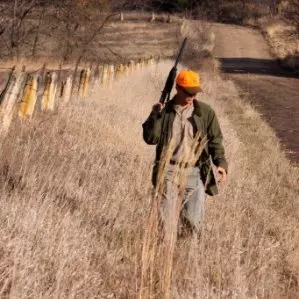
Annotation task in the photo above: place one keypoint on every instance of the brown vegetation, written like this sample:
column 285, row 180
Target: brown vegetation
column 66, row 32
column 283, row 38
column 76, row 195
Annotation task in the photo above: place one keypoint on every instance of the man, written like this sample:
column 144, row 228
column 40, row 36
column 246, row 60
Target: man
column 187, row 132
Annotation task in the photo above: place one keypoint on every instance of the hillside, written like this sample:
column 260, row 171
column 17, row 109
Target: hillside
column 76, row 195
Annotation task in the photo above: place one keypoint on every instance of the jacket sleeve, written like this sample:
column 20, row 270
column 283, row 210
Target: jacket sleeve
column 152, row 128
column 215, row 146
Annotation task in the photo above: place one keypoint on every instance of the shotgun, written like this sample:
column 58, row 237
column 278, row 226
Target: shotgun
column 165, row 96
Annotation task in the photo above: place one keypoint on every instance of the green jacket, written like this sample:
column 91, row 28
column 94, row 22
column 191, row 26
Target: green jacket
column 157, row 131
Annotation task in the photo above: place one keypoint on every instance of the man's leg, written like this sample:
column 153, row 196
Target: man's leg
column 194, row 200
column 169, row 202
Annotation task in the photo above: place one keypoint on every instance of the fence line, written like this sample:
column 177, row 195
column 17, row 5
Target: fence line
column 24, row 90
column 9, row 99
column 29, row 98
column 67, row 90
column 49, row 94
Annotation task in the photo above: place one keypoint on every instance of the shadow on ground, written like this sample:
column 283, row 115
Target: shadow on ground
column 255, row 66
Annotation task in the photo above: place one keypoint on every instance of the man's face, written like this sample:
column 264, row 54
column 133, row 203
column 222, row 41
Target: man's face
column 185, row 97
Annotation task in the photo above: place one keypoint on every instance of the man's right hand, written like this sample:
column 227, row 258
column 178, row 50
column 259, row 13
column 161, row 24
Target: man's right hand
column 157, row 107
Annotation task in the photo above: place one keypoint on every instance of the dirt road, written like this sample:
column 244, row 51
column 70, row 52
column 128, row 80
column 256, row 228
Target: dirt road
column 246, row 58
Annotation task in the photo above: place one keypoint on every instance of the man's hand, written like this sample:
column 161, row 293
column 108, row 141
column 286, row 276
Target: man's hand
column 222, row 175
column 158, row 107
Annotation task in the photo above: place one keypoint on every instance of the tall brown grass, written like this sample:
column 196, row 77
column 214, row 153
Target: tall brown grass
column 161, row 234
column 76, row 197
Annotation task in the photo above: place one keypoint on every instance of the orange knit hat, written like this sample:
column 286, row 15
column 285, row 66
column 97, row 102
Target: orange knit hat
column 189, row 81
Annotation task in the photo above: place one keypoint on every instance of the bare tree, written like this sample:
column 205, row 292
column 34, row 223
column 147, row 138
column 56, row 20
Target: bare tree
column 2, row 21
column 37, row 31
column 19, row 31
column 73, row 25
column 2, row 28
column 81, row 25
column 291, row 12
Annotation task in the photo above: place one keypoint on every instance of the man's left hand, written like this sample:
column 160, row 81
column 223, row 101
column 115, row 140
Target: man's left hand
column 222, row 175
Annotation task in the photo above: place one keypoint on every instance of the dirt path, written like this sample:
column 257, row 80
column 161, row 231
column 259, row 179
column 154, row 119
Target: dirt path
column 246, row 58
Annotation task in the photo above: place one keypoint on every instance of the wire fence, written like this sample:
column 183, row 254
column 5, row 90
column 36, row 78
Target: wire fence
column 52, row 88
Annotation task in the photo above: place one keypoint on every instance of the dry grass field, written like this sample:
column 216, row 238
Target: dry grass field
column 75, row 197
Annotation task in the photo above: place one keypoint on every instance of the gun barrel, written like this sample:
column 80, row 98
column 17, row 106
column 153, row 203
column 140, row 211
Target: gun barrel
column 181, row 51
column 172, row 75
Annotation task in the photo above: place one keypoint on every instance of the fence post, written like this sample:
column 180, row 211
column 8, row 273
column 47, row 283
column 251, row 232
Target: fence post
column 81, row 82
column 48, row 99
column 104, row 75
column 119, row 70
column 67, row 92
column 27, row 104
column 131, row 66
column 75, row 73
column 84, row 82
column 153, row 19
column 126, row 69
column 61, row 88
column 9, row 99
column 96, row 77
column 111, row 74
column 8, row 84
column 53, row 89
column 59, row 72
column 45, row 96
column 151, row 61
column 43, row 70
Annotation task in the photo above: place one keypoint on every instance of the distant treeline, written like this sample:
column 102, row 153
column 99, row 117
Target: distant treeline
column 72, row 28
column 193, row 5
column 235, row 11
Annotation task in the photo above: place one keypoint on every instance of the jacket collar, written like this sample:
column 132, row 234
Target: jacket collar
column 197, row 109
